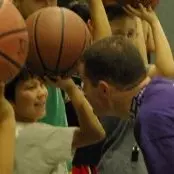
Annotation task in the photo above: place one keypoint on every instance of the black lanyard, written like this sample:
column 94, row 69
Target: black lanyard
column 136, row 103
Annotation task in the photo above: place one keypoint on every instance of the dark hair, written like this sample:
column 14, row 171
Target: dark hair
column 11, row 86
column 80, row 8
column 116, row 61
column 115, row 11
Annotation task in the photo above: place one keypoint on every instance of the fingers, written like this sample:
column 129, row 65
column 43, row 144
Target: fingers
column 142, row 8
column 128, row 12
column 134, row 11
column 141, row 12
column 150, row 9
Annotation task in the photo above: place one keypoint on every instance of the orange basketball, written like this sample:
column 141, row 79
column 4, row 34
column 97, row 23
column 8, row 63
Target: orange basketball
column 13, row 42
column 58, row 38
column 135, row 3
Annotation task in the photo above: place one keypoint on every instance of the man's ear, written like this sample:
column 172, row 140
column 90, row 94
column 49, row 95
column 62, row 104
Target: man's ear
column 104, row 89
column 90, row 26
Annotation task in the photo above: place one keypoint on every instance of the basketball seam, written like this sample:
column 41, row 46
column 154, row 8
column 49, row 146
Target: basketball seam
column 9, row 33
column 61, row 41
column 36, row 42
column 83, row 48
column 6, row 57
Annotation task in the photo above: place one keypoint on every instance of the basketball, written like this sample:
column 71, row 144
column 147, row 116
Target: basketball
column 13, row 42
column 58, row 38
column 135, row 3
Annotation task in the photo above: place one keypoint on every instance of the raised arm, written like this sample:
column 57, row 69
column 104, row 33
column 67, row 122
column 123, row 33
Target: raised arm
column 100, row 23
column 140, row 41
column 164, row 64
column 90, row 131
column 7, row 134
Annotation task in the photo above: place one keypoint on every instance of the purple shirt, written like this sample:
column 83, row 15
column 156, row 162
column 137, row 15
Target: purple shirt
column 154, row 128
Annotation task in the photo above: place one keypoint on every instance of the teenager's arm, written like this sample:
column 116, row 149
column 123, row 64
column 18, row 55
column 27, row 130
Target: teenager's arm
column 140, row 40
column 7, row 134
column 100, row 23
column 164, row 64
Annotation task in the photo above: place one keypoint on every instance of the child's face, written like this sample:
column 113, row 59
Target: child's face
column 28, row 7
column 125, row 26
column 30, row 100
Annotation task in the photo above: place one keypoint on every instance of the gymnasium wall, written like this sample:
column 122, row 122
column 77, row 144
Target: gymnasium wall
column 165, row 13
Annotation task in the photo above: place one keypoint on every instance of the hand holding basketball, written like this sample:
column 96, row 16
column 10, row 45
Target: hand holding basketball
column 135, row 3
column 144, row 13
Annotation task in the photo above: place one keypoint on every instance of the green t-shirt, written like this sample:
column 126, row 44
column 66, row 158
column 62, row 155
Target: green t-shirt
column 56, row 114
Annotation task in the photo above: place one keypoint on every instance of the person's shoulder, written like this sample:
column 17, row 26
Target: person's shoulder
column 157, row 107
column 47, row 128
column 157, row 99
column 20, row 126
column 31, row 130
column 161, row 85
column 46, row 136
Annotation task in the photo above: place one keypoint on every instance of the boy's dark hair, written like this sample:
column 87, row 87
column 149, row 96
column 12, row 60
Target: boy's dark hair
column 80, row 8
column 11, row 86
column 115, row 11
column 116, row 61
